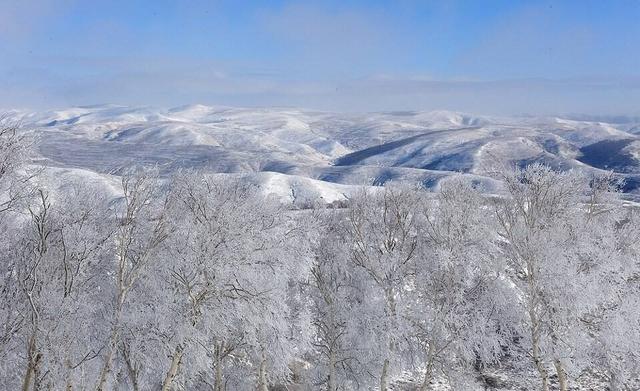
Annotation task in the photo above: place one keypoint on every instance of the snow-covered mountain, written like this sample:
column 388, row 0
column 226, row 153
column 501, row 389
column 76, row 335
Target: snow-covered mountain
column 323, row 154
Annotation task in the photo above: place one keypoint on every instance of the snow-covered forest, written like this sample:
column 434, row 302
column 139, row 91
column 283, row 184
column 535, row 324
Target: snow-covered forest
column 194, row 282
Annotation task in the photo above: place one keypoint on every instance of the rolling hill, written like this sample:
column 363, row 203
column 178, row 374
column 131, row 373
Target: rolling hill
column 325, row 155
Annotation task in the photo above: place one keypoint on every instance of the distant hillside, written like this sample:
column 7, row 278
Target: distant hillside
column 311, row 148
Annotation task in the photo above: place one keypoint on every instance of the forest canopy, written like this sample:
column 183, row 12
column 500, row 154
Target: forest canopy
column 193, row 281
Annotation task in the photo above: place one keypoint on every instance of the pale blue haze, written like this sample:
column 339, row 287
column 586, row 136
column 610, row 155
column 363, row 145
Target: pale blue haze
column 502, row 57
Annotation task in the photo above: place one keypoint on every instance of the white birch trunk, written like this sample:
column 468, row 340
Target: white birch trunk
column 262, row 375
column 217, row 385
column 69, row 386
column 176, row 359
column 113, row 343
column 562, row 376
column 33, row 358
column 384, row 377
column 331, row 386
column 390, row 313
column 428, row 374
column 542, row 370
column 535, row 328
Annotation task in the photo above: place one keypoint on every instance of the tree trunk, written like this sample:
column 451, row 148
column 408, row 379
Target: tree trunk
column 218, row 382
column 114, row 339
column 176, row 359
column 67, row 363
column 33, row 358
column 37, row 378
column 614, row 384
column 106, row 367
column 132, row 369
column 331, row 381
column 428, row 374
column 217, row 385
column 542, row 371
column 390, row 314
column 562, row 375
column 535, row 328
column 262, row 375
column 384, row 378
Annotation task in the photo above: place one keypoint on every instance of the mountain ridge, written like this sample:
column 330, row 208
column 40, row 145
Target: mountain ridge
column 365, row 149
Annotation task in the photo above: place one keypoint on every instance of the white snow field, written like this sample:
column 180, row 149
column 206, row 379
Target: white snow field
column 318, row 155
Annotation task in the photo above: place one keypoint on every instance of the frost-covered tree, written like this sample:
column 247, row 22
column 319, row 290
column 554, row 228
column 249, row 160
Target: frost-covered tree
column 461, row 306
column 230, row 267
column 609, row 252
column 203, row 282
column 383, row 234
column 538, row 223
column 336, row 305
column 51, row 274
column 140, row 229
column 15, row 149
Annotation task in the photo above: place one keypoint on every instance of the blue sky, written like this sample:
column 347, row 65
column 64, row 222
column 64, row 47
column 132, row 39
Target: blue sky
column 495, row 57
